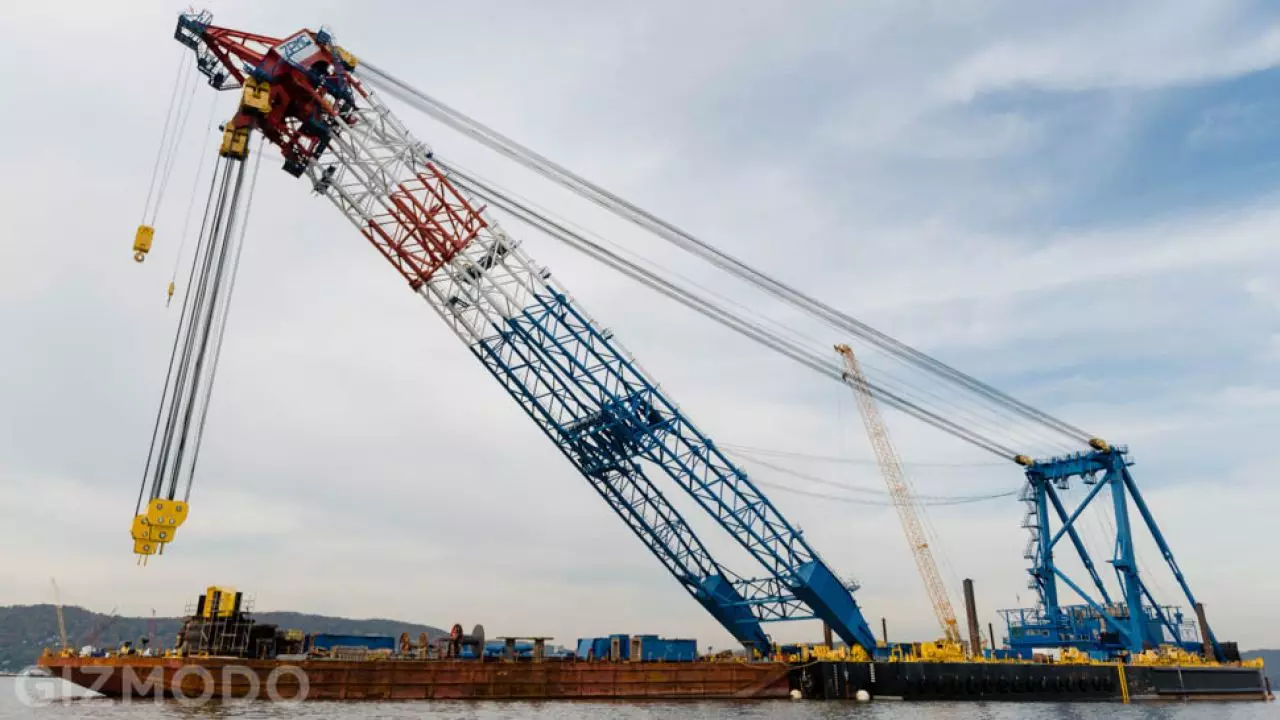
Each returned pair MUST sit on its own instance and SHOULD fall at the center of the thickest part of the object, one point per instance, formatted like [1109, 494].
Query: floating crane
[319, 106]
[903, 501]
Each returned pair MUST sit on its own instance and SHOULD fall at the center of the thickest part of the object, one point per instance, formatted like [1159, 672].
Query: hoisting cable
[172, 457]
[191, 362]
[226, 313]
[623, 208]
[191, 203]
[177, 339]
[180, 129]
[202, 357]
[754, 331]
[164, 136]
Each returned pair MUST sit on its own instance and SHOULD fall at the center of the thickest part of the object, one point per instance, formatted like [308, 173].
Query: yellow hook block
[165, 513]
[142, 242]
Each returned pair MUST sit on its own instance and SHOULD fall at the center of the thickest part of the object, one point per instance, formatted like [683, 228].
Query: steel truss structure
[587, 394]
[1132, 621]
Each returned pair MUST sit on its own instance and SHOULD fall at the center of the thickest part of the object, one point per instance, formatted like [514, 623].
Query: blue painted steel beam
[1113, 621]
[624, 418]
[1068, 526]
[625, 488]
[1142, 628]
[1165, 550]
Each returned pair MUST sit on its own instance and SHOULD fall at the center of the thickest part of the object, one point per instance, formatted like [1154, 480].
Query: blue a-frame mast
[1131, 622]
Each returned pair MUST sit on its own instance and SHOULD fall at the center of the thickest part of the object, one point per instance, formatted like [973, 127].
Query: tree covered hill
[25, 630]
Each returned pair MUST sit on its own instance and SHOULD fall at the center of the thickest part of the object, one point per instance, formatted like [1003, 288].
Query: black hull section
[1024, 682]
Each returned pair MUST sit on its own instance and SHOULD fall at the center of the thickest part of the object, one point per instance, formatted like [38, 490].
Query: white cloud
[1120, 46]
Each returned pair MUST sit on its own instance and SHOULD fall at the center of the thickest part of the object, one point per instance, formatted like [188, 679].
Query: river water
[49, 698]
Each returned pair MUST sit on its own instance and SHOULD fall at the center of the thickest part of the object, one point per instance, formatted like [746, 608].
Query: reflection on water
[50, 698]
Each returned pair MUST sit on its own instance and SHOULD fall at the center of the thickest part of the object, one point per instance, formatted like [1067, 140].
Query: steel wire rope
[196, 323]
[884, 377]
[226, 313]
[195, 185]
[849, 460]
[1025, 437]
[820, 363]
[812, 360]
[878, 491]
[216, 290]
[557, 173]
[177, 336]
[489, 191]
[179, 131]
[887, 380]
[856, 501]
[904, 387]
[1040, 435]
[164, 134]
[631, 256]
[1016, 434]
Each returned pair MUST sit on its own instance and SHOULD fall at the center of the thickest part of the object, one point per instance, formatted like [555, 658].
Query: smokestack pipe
[1205, 638]
[971, 611]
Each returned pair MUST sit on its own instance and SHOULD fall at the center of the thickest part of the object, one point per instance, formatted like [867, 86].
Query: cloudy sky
[1074, 202]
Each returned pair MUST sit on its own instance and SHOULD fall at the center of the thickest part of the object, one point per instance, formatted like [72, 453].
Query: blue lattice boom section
[606, 416]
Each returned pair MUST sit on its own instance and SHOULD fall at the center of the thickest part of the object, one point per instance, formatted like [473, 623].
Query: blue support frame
[606, 416]
[1136, 623]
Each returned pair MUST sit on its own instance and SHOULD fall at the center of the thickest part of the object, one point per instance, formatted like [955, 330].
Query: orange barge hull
[216, 677]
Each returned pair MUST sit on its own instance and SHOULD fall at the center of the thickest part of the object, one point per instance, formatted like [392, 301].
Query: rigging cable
[750, 450]
[226, 313]
[177, 338]
[195, 185]
[164, 135]
[817, 362]
[879, 492]
[180, 129]
[627, 210]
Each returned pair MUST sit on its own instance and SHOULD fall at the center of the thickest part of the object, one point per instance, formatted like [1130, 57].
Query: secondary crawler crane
[903, 501]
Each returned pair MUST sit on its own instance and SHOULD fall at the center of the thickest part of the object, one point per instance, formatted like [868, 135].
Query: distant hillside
[25, 630]
[1272, 660]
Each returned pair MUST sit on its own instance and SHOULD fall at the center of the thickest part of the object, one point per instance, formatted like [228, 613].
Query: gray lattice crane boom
[903, 501]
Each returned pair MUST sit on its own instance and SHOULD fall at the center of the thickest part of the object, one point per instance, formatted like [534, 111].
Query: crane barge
[315, 102]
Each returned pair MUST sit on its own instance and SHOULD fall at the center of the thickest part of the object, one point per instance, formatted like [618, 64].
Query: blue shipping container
[651, 648]
[598, 648]
[670, 650]
[328, 641]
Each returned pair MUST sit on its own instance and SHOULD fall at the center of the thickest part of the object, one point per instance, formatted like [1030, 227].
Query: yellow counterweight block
[256, 96]
[142, 242]
[235, 142]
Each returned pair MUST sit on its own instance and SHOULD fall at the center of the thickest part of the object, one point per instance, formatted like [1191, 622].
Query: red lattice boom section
[428, 223]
